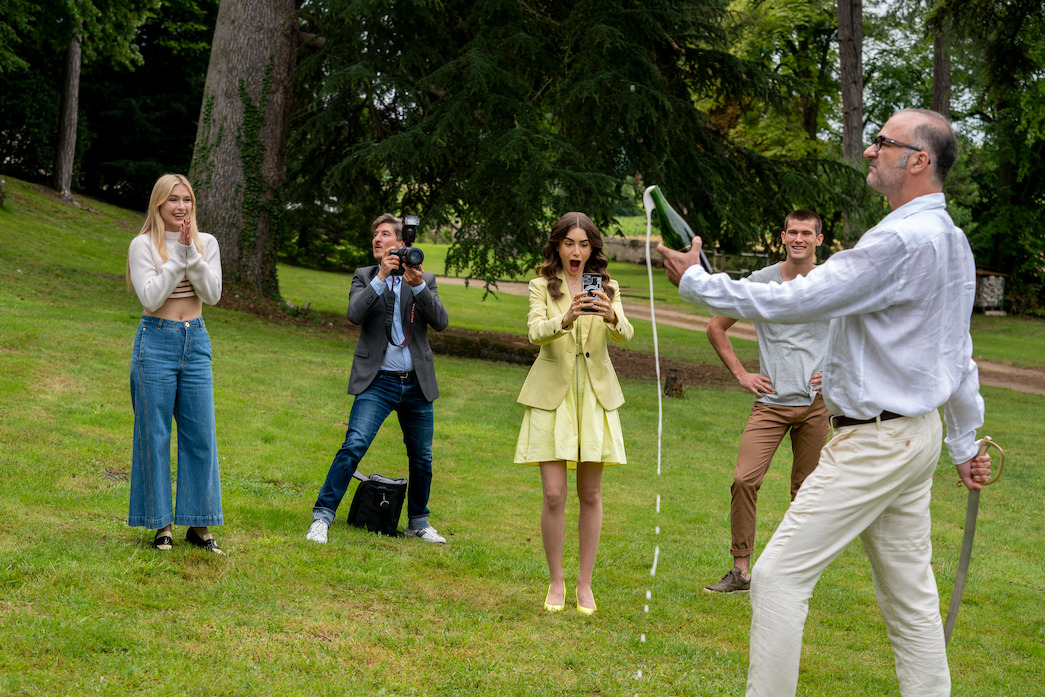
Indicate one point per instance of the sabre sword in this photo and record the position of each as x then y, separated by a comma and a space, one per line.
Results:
972, 508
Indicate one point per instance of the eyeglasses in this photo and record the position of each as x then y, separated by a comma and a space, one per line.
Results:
877, 143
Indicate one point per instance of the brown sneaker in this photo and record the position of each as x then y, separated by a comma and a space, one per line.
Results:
733, 582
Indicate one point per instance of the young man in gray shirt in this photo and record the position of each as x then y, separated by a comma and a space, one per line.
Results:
787, 388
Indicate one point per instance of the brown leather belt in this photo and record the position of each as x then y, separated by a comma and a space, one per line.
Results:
840, 421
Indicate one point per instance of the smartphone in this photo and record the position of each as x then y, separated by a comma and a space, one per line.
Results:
591, 282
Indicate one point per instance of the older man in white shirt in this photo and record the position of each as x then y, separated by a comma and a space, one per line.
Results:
898, 348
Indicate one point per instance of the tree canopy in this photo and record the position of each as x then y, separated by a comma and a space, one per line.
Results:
491, 118
996, 190
1007, 89
139, 98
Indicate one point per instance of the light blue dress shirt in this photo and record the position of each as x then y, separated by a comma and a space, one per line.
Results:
397, 358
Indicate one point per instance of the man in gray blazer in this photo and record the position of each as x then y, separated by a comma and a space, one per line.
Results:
392, 370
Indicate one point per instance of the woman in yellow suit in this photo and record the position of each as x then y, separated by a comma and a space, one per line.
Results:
572, 395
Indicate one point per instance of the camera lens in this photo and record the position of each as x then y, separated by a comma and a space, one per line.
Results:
413, 256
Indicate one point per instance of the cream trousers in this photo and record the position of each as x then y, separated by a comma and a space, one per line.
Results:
873, 481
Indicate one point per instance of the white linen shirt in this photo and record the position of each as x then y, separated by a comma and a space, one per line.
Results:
899, 302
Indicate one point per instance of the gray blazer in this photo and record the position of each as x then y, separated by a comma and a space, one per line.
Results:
367, 309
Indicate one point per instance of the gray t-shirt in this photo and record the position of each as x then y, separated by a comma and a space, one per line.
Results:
789, 354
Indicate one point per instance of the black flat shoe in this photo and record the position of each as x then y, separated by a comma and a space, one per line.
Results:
164, 543
210, 545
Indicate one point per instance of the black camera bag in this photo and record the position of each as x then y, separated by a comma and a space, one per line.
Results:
377, 504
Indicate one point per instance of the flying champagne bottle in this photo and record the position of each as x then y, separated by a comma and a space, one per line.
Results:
674, 231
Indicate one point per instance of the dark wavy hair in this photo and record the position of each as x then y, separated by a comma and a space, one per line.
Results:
596, 263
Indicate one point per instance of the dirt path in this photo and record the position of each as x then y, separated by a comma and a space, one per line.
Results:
1031, 381
1026, 380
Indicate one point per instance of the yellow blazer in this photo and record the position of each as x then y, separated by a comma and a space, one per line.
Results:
550, 375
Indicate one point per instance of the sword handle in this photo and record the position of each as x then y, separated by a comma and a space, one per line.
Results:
986, 443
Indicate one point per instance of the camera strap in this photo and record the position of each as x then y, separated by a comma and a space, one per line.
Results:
390, 317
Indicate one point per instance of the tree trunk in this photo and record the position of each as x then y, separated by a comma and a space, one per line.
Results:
941, 74
850, 50
238, 162
65, 150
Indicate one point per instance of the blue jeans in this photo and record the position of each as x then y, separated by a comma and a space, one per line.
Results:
369, 410
171, 378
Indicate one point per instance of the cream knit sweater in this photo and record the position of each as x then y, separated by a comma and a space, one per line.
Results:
154, 280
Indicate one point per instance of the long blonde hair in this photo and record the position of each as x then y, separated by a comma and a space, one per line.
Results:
153, 225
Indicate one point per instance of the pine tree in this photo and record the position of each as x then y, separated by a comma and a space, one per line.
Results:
493, 117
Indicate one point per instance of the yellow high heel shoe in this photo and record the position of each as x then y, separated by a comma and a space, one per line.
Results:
587, 610
555, 608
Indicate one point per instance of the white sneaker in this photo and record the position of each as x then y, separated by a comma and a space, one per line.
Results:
318, 532
428, 534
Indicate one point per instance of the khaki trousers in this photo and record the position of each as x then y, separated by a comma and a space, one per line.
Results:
766, 427
873, 482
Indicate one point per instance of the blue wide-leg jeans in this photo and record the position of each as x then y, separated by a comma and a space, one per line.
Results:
369, 410
171, 379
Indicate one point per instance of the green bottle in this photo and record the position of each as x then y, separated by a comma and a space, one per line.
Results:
674, 231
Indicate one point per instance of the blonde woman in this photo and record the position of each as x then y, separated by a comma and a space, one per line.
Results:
572, 395
175, 270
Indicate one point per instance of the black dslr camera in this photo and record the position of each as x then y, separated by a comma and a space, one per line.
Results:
408, 254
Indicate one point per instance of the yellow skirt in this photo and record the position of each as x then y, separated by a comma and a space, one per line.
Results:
578, 430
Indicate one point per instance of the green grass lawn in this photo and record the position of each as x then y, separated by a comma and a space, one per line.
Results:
88, 607
633, 280
1016, 341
